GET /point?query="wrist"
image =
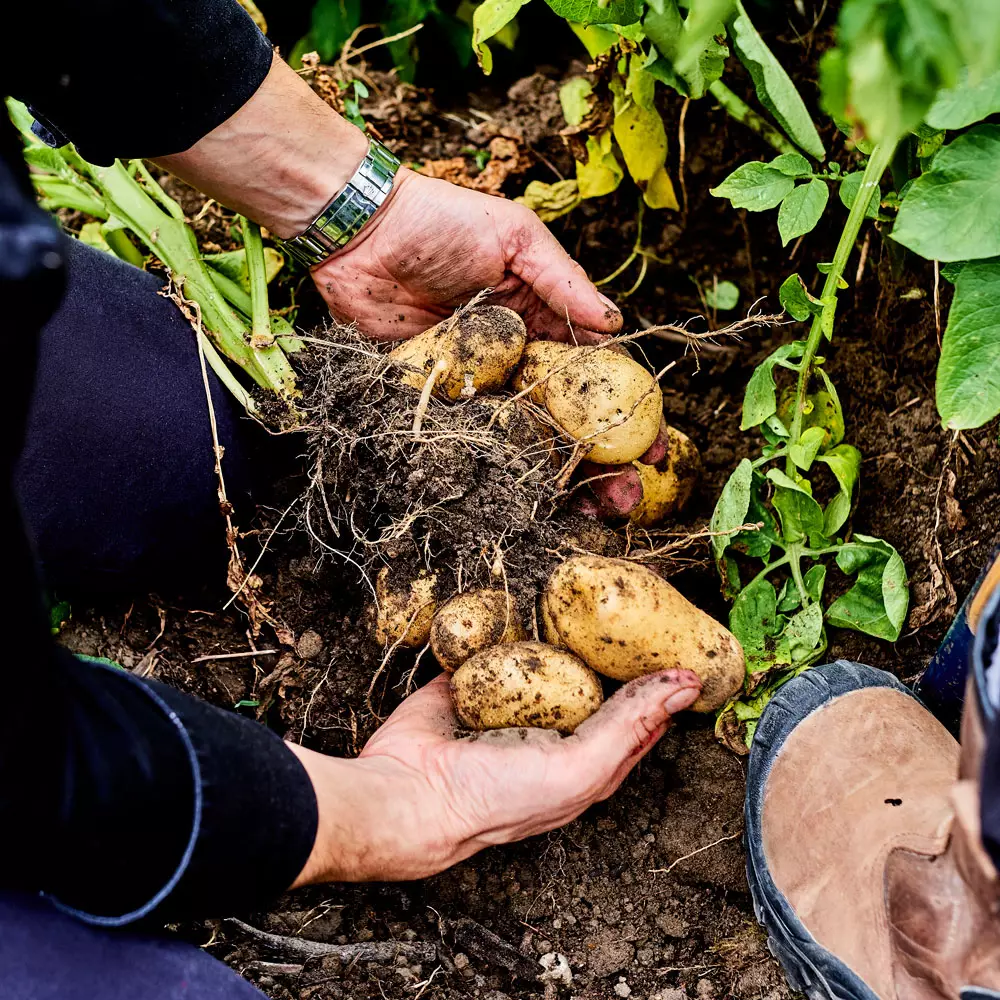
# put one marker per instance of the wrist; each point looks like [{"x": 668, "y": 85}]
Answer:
[{"x": 376, "y": 822}]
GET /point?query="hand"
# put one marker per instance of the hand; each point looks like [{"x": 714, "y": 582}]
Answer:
[
  {"x": 418, "y": 800},
  {"x": 433, "y": 245}
]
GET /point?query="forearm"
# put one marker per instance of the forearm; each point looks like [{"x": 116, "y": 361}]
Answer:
[{"x": 279, "y": 160}]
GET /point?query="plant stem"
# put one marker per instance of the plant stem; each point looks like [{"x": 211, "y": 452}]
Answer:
[
  {"x": 737, "y": 108},
  {"x": 823, "y": 323},
  {"x": 260, "y": 317}
]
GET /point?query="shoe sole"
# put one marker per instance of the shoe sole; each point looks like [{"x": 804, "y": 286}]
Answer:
[{"x": 809, "y": 968}]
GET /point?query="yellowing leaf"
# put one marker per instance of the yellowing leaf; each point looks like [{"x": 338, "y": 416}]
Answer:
[
  {"x": 573, "y": 97},
  {"x": 489, "y": 19},
  {"x": 659, "y": 191},
  {"x": 643, "y": 141},
  {"x": 601, "y": 174},
  {"x": 549, "y": 201},
  {"x": 596, "y": 39},
  {"x": 640, "y": 86}
]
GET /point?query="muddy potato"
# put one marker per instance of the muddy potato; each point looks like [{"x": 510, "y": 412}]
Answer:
[
  {"x": 476, "y": 351},
  {"x": 667, "y": 486},
  {"x": 624, "y": 621},
  {"x": 471, "y": 622},
  {"x": 602, "y": 398},
  {"x": 525, "y": 684},
  {"x": 404, "y": 608}
]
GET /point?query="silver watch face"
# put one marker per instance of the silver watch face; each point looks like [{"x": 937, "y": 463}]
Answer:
[{"x": 343, "y": 218}]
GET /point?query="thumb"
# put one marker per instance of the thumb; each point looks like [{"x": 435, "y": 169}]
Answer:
[
  {"x": 536, "y": 257},
  {"x": 627, "y": 726}
]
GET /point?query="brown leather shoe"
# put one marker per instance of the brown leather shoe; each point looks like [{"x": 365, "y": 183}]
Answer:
[{"x": 863, "y": 847}]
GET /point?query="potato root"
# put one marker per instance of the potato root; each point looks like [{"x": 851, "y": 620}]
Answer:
[
  {"x": 601, "y": 398},
  {"x": 525, "y": 684},
  {"x": 405, "y": 608},
  {"x": 668, "y": 484},
  {"x": 471, "y": 622},
  {"x": 624, "y": 621},
  {"x": 474, "y": 351}
]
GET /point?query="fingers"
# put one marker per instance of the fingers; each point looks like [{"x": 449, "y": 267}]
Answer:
[
  {"x": 425, "y": 718},
  {"x": 535, "y": 256},
  {"x": 615, "y": 737}
]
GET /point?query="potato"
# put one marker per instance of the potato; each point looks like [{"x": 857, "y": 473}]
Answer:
[
  {"x": 477, "y": 350},
  {"x": 405, "y": 608},
  {"x": 525, "y": 684},
  {"x": 667, "y": 486},
  {"x": 601, "y": 397},
  {"x": 623, "y": 620},
  {"x": 471, "y": 622}
]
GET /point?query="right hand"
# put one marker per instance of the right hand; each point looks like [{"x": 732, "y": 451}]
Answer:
[{"x": 418, "y": 800}]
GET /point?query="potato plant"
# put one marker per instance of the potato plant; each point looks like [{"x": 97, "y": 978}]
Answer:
[{"x": 896, "y": 84}]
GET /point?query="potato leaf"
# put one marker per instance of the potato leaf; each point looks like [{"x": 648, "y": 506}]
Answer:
[
  {"x": 965, "y": 103},
  {"x": 675, "y": 39},
  {"x": 844, "y": 462},
  {"x": 732, "y": 506},
  {"x": 804, "y": 633},
  {"x": 796, "y": 300},
  {"x": 601, "y": 174},
  {"x": 848, "y": 191},
  {"x": 549, "y": 201},
  {"x": 755, "y": 187},
  {"x": 596, "y": 39},
  {"x": 591, "y": 12},
  {"x": 660, "y": 192},
  {"x": 489, "y": 17},
  {"x": 804, "y": 453},
  {"x": 968, "y": 375},
  {"x": 760, "y": 401},
  {"x": 642, "y": 139},
  {"x": 791, "y": 165},
  {"x": 755, "y": 622},
  {"x": 800, "y": 515},
  {"x": 952, "y": 212},
  {"x": 801, "y": 209},
  {"x": 877, "y": 603},
  {"x": 774, "y": 87},
  {"x": 574, "y": 97},
  {"x": 723, "y": 295},
  {"x": 814, "y": 580}
]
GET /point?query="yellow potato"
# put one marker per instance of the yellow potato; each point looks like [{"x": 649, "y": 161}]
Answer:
[
  {"x": 474, "y": 351},
  {"x": 525, "y": 684},
  {"x": 471, "y": 622},
  {"x": 600, "y": 397},
  {"x": 667, "y": 486},
  {"x": 625, "y": 621},
  {"x": 405, "y": 608}
]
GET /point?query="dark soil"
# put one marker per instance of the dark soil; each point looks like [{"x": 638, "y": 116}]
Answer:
[{"x": 595, "y": 891}]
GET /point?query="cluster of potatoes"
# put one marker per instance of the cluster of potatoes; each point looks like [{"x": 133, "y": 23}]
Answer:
[
  {"x": 597, "y": 615},
  {"x": 604, "y": 400}
]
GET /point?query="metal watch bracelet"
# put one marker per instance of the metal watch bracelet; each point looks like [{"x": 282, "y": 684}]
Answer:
[{"x": 343, "y": 218}]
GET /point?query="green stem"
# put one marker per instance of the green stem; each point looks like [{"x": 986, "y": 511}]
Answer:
[
  {"x": 823, "y": 323},
  {"x": 737, "y": 108},
  {"x": 795, "y": 565},
  {"x": 260, "y": 317}
]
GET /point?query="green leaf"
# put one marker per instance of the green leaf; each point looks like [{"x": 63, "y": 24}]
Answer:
[
  {"x": 848, "y": 191},
  {"x": 754, "y": 186},
  {"x": 591, "y": 12},
  {"x": 789, "y": 598},
  {"x": 233, "y": 264},
  {"x": 801, "y": 209},
  {"x": 596, "y": 39},
  {"x": 804, "y": 633},
  {"x": 877, "y": 603},
  {"x": 774, "y": 87},
  {"x": 821, "y": 409},
  {"x": 397, "y": 16},
  {"x": 804, "y": 453},
  {"x": 760, "y": 400},
  {"x": 791, "y": 165},
  {"x": 952, "y": 212},
  {"x": 333, "y": 21},
  {"x": 755, "y": 622},
  {"x": 796, "y": 300},
  {"x": 844, "y": 462},
  {"x": 574, "y": 98},
  {"x": 814, "y": 580},
  {"x": 723, "y": 295},
  {"x": 489, "y": 17},
  {"x": 59, "y": 614},
  {"x": 968, "y": 375},
  {"x": 758, "y": 543},
  {"x": 965, "y": 103},
  {"x": 731, "y": 508},
  {"x": 800, "y": 515},
  {"x": 686, "y": 54}
]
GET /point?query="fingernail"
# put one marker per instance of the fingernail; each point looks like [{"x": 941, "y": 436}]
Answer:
[
  {"x": 681, "y": 700},
  {"x": 608, "y": 303}
]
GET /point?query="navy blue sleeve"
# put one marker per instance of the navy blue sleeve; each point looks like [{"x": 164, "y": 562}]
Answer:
[{"x": 133, "y": 78}]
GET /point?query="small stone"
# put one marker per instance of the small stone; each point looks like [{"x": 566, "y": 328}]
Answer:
[
  {"x": 309, "y": 645},
  {"x": 557, "y": 924},
  {"x": 556, "y": 968},
  {"x": 622, "y": 989},
  {"x": 543, "y": 947},
  {"x": 461, "y": 961}
]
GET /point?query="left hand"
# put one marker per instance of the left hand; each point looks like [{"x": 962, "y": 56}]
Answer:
[{"x": 433, "y": 245}]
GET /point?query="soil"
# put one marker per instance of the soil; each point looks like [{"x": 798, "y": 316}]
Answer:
[{"x": 645, "y": 894}]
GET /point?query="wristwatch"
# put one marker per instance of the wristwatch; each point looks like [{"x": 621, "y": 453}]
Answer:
[{"x": 343, "y": 218}]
